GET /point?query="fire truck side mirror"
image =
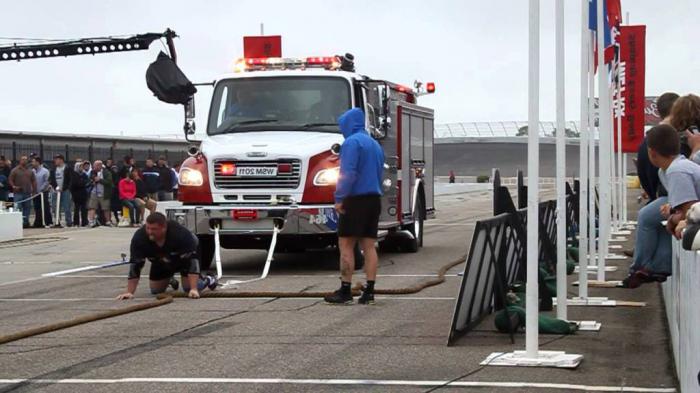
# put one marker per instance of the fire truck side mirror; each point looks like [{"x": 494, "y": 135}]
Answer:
[{"x": 189, "y": 126}]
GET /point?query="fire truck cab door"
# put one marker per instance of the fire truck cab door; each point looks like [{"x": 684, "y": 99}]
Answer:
[{"x": 376, "y": 107}]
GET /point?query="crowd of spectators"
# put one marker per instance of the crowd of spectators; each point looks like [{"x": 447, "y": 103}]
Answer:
[
  {"x": 81, "y": 193},
  {"x": 668, "y": 165}
]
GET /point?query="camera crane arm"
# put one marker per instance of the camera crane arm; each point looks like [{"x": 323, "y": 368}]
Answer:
[{"x": 86, "y": 46}]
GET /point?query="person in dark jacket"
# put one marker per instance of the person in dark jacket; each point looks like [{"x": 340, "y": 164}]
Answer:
[
  {"x": 151, "y": 178},
  {"x": 115, "y": 203},
  {"x": 142, "y": 200},
  {"x": 165, "y": 193},
  {"x": 647, "y": 172},
  {"x": 4, "y": 179},
  {"x": 357, "y": 200},
  {"x": 60, "y": 177},
  {"x": 127, "y": 167},
  {"x": 79, "y": 192}
]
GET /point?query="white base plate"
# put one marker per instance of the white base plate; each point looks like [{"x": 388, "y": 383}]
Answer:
[
  {"x": 591, "y": 301},
  {"x": 612, "y": 256},
  {"x": 557, "y": 359},
  {"x": 615, "y": 246},
  {"x": 623, "y": 232},
  {"x": 594, "y": 269},
  {"x": 588, "y": 326},
  {"x": 618, "y": 240}
]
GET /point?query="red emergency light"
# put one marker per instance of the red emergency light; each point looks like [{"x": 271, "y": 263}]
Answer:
[
  {"x": 321, "y": 61},
  {"x": 228, "y": 169},
  {"x": 430, "y": 87},
  {"x": 262, "y": 46}
]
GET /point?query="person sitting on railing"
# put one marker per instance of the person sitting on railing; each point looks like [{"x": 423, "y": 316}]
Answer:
[{"x": 681, "y": 177}]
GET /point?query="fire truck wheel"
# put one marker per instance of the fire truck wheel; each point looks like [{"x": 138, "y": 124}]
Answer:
[
  {"x": 359, "y": 258},
  {"x": 416, "y": 229},
  {"x": 206, "y": 251}
]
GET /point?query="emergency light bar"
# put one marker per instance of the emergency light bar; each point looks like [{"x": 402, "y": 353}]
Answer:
[{"x": 284, "y": 63}]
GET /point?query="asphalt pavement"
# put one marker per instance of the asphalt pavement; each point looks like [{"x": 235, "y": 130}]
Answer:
[{"x": 297, "y": 344}]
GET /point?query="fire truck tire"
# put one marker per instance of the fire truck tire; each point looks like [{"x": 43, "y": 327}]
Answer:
[
  {"x": 416, "y": 228},
  {"x": 206, "y": 251},
  {"x": 359, "y": 258}
]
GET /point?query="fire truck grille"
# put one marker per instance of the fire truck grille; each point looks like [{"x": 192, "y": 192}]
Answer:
[{"x": 282, "y": 180}]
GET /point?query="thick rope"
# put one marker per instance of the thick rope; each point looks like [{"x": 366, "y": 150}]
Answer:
[
  {"x": 167, "y": 298},
  {"x": 84, "y": 319},
  {"x": 413, "y": 289}
]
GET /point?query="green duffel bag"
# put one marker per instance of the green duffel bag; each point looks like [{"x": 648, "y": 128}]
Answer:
[{"x": 516, "y": 317}]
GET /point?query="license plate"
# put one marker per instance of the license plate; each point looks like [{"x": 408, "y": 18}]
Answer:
[{"x": 256, "y": 171}]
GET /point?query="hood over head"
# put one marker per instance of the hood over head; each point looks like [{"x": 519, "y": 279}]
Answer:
[{"x": 352, "y": 121}]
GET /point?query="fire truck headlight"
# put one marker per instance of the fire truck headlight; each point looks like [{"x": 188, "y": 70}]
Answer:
[
  {"x": 327, "y": 177},
  {"x": 190, "y": 177}
]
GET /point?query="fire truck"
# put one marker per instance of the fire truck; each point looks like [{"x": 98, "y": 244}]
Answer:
[{"x": 265, "y": 174}]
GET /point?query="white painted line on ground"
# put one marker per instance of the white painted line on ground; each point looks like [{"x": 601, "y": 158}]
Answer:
[
  {"x": 350, "y": 382},
  {"x": 21, "y": 281},
  {"x": 471, "y": 224},
  {"x": 245, "y": 276},
  {"x": 58, "y": 300},
  {"x": 102, "y": 299}
]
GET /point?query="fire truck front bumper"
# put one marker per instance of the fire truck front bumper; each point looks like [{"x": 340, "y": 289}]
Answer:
[{"x": 254, "y": 220}]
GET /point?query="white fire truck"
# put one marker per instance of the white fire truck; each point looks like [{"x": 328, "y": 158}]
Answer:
[{"x": 265, "y": 174}]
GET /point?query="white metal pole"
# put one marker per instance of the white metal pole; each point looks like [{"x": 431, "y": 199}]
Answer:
[
  {"x": 592, "y": 244},
  {"x": 613, "y": 169},
  {"x": 561, "y": 161},
  {"x": 620, "y": 171},
  {"x": 624, "y": 163},
  {"x": 533, "y": 188},
  {"x": 583, "y": 164},
  {"x": 624, "y": 188},
  {"x": 604, "y": 132}
]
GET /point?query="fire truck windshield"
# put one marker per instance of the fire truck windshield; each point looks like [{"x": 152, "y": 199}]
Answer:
[{"x": 285, "y": 103}]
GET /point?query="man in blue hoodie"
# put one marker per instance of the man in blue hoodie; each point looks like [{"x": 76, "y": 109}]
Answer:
[{"x": 357, "y": 200}]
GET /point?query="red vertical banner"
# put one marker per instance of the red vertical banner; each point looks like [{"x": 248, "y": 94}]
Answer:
[{"x": 631, "y": 76}]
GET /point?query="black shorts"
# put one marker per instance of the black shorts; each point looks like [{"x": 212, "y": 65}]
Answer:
[
  {"x": 361, "y": 218},
  {"x": 162, "y": 271}
]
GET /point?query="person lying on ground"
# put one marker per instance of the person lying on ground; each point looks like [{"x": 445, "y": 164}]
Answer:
[{"x": 171, "y": 249}]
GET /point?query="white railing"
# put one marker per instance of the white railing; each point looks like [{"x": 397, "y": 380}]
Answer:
[
  {"x": 499, "y": 129},
  {"x": 682, "y": 297}
]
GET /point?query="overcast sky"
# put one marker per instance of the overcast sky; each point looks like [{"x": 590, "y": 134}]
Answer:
[{"x": 475, "y": 51}]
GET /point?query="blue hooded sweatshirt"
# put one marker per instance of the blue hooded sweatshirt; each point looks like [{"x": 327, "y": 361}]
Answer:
[{"x": 361, "y": 158}]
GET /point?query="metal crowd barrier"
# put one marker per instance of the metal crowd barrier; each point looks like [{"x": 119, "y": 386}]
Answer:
[
  {"x": 681, "y": 293},
  {"x": 497, "y": 256}
]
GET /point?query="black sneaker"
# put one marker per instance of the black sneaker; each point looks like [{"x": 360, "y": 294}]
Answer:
[
  {"x": 339, "y": 297},
  {"x": 174, "y": 283},
  {"x": 366, "y": 297},
  {"x": 212, "y": 282}
]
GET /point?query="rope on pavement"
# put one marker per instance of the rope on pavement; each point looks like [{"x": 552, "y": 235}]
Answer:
[
  {"x": 167, "y": 298},
  {"x": 84, "y": 319}
]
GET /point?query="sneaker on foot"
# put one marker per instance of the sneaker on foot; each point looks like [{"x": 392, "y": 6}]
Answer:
[
  {"x": 366, "y": 297},
  {"x": 212, "y": 282},
  {"x": 174, "y": 283},
  {"x": 636, "y": 279},
  {"x": 339, "y": 297}
]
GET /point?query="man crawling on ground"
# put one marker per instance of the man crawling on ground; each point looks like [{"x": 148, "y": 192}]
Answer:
[{"x": 171, "y": 249}]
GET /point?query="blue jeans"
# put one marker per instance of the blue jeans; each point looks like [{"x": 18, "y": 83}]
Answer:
[
  {"x": 24, "y": 207},
  {"x": 133, "y": 210},
  {"x": 652, "y": 247},
  {"x": 66, "y": 206}
]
